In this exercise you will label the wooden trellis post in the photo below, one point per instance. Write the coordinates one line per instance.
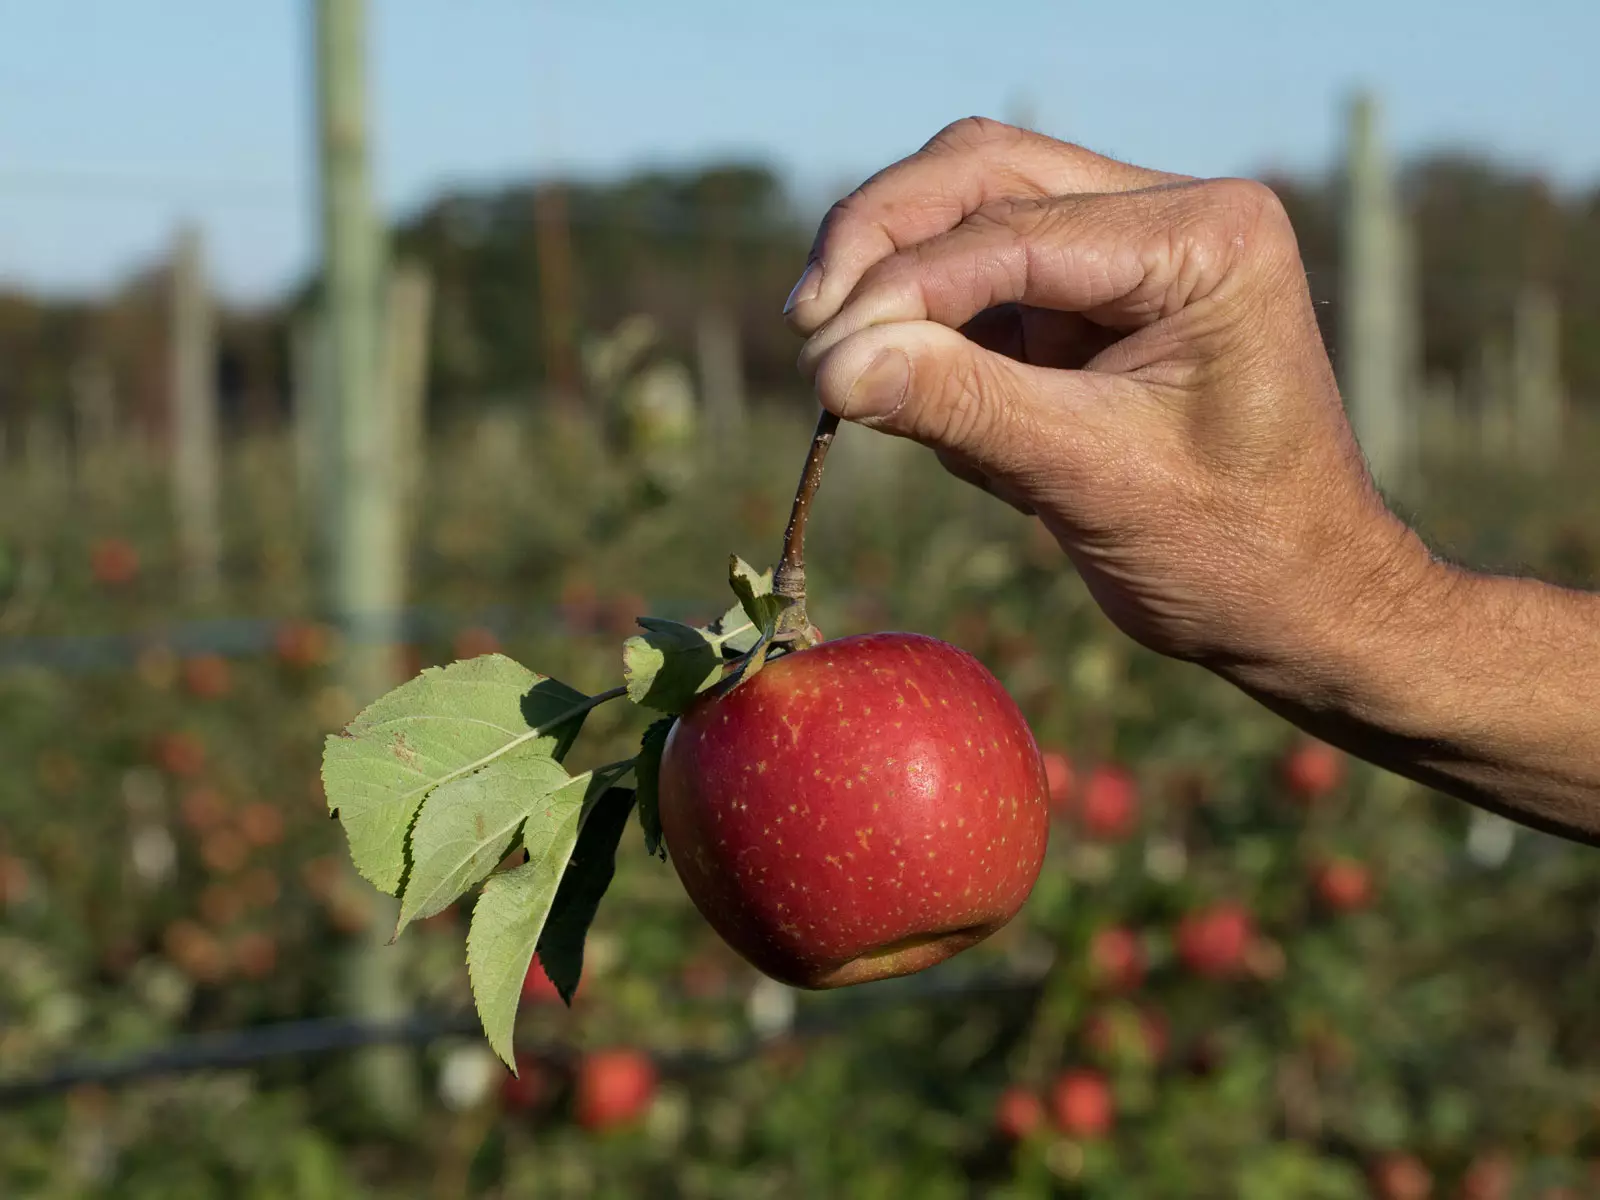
(1536, 390)
(194, 417)
(721, 374)
(362, 499)
(1377, 320)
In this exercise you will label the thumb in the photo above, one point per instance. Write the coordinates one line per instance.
(927, 382)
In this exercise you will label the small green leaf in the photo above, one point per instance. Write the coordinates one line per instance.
(748, 665)
(466, 826)
(647, 774)
(734, 632)
(445, 723)
(668, 664)
(511, 911)
(755, 593)
(588, 875)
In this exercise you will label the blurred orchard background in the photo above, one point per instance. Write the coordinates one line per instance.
(337, 343)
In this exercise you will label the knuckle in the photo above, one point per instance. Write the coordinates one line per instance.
(1248, 215)
(971, 132)
(838, 217)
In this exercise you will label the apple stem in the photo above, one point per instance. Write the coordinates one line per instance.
(790, 578)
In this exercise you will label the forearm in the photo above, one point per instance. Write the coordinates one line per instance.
(1484, 687)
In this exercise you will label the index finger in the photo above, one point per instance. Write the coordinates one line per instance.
(967, 165)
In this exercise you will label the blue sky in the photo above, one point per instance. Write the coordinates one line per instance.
(119, 118)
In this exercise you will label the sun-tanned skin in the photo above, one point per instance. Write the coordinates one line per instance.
(1132, 356)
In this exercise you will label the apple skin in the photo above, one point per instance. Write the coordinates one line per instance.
(856, 811)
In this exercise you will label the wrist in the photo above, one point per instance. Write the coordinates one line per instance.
(1359, 635)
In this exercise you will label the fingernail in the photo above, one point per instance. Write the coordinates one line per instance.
(879, 389)
(809, 284)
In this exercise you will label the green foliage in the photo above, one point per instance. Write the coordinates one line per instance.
(669, 664)
(1451, 1018)
(647, 773)
(510, 915)
(584, 884)
(467, 826)
(436, 728)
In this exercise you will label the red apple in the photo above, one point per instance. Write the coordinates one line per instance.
(1312, 769)
(856, 811)
(579, 606)
(207, 676)
(613, 1088)
(1109, 806)
(1401, 1177)
(180, 754)
(261, 824)
(536, 985)
(1490, 1177)
(1116, 959)
(528, 1087)
(1058, 779)
(1081, 1103)
(113, 562)
(620, 612)
(1344, 884)
(1018, 1113)
(1213, 941)
(302, 645)
(255, 954)
(476, 641)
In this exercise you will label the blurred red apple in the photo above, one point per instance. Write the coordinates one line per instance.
(1490, 1177)
(113, 562)
(856, 811)
(303, 644)
(1212, 941)
(1344, 884)
(261, 824)
(537, 988)
(476, 641)
(1108, 808)
(180, 754)
(580, 606)
(1116, 959)
(528, 1088)
(1401, 1177)
(207, 676)
(224, 852)
(255, 954)
(1313, 769)
(1018, 1113)
(1058, 780)
(614, 1087)
(1081, 1104)
(203, 809)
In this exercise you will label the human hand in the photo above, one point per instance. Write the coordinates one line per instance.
(1132, 356)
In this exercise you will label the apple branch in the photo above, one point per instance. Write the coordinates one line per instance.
(790, 579)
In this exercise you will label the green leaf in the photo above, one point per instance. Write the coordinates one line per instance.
(647, 774)
(752, 662)
(468, 825)
(755, 593)
(669, 664)
(511, 912)
(444, 724)
(588, 875)
(734, 632)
